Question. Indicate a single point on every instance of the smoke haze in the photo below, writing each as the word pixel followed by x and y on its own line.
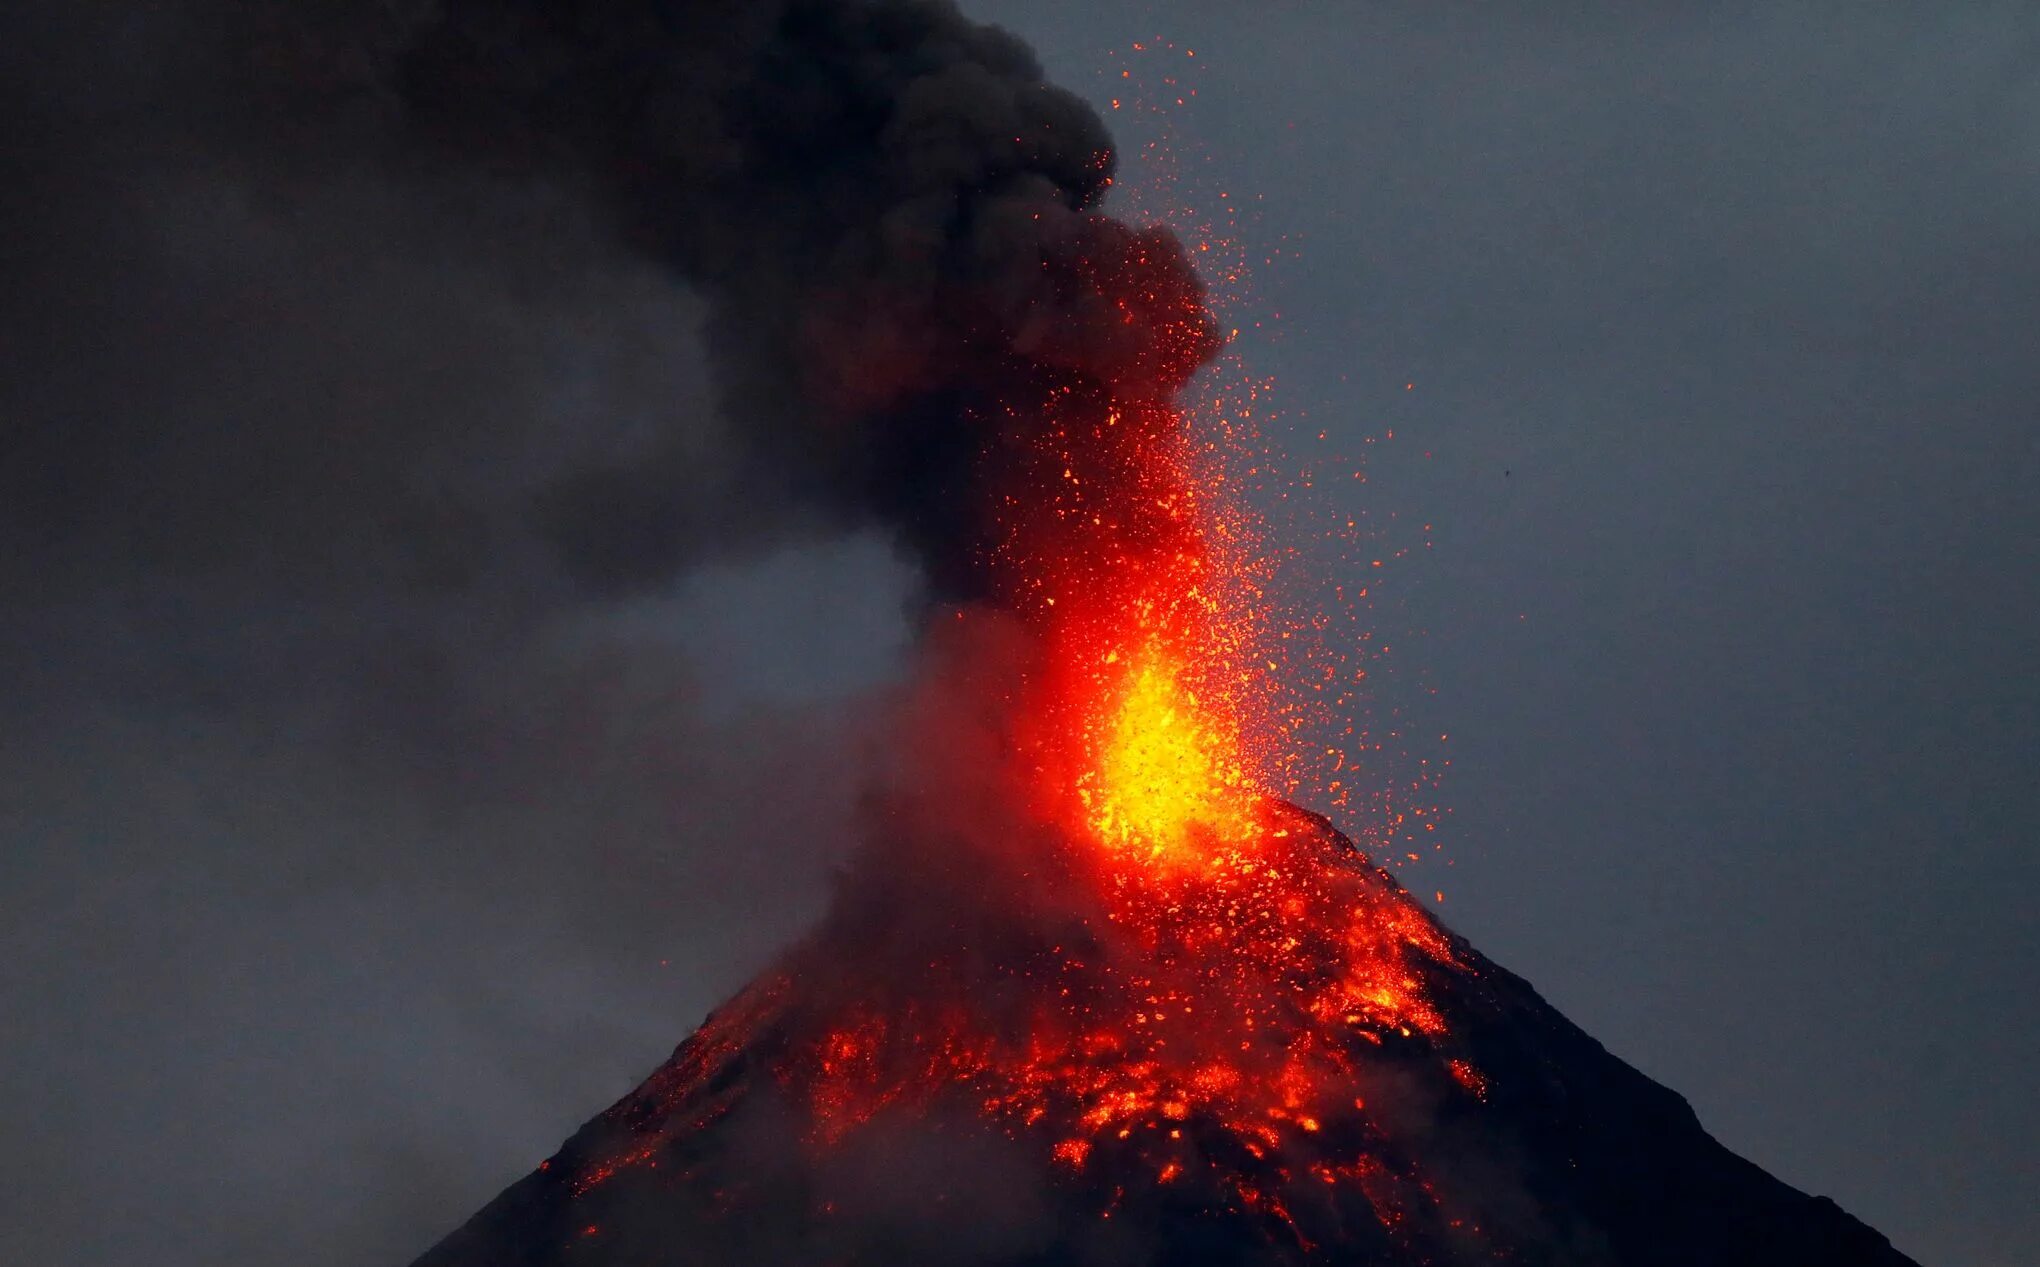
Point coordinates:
pixel 426 685
pixel 327 785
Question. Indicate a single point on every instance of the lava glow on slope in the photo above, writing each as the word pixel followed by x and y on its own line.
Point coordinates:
pixel 1234 1018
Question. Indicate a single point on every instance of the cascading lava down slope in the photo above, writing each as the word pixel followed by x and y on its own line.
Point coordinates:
pixel 1265 1054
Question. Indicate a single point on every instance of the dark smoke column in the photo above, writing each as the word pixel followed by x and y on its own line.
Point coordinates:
pixel 895 220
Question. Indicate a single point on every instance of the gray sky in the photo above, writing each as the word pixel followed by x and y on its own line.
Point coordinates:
pixel 353 858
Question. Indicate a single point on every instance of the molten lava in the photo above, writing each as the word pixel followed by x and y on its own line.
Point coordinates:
pixel 1165 764
pixel 1236 1009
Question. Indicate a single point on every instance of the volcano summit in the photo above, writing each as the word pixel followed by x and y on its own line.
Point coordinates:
pixel 1272 1055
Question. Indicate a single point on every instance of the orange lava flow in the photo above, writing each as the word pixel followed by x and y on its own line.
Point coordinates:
pixel 1220 1017
pixel 1241 992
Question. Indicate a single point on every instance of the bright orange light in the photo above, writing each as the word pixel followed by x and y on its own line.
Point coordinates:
pixel 1166 763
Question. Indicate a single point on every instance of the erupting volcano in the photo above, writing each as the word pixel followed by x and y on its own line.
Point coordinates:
pixel 1093 991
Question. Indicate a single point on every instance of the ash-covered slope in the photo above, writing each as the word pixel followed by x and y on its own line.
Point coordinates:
pixel 1286 1061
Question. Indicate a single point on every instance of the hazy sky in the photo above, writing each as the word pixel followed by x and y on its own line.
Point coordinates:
pixel 353 857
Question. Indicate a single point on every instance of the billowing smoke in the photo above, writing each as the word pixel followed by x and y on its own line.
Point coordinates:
pixel 332 329
pixel 894 221
pixel 324 787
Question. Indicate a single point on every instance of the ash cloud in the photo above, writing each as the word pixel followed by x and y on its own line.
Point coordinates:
pixel 893 221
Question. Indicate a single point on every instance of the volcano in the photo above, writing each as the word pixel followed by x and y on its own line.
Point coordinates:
pixel 1092 991
pixel 1265 1054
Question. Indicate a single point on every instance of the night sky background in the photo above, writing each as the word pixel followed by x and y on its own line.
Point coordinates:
pixel 354 852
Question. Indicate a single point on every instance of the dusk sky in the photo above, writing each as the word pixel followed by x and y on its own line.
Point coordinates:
pixel 356 851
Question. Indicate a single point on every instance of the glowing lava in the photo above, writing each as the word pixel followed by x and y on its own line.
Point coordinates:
pixel 1166 763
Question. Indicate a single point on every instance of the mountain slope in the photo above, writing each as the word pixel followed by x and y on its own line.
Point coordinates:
pixel 1268 1055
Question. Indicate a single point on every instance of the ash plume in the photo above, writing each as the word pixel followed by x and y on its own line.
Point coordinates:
pixel 893 219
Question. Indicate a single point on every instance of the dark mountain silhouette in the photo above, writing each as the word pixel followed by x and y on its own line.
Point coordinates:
pixel 900 1091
